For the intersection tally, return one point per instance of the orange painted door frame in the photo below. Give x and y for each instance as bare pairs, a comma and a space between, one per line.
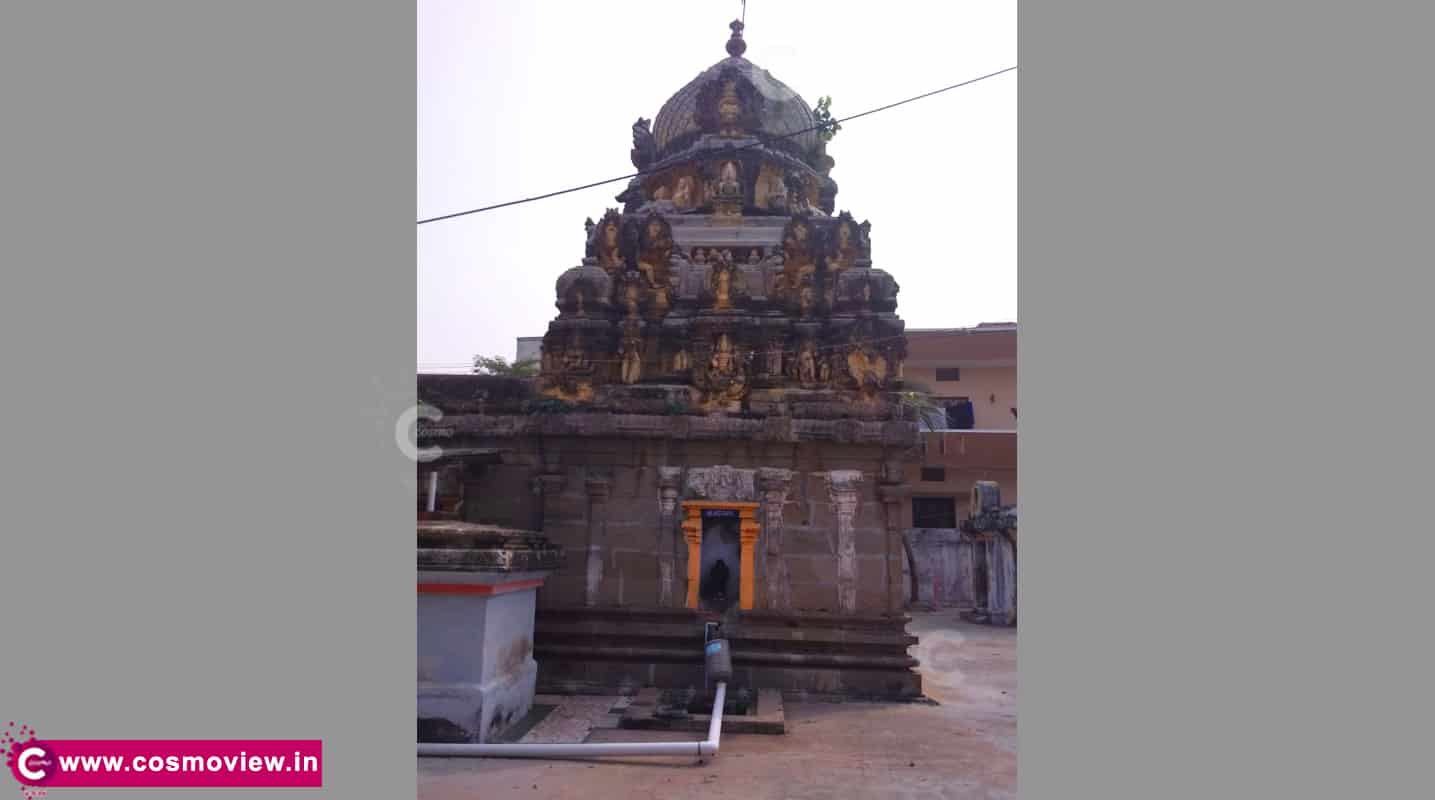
748, 528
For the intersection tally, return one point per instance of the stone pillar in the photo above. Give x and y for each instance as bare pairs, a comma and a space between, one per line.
893, 553
747, 532
693, 533
598, 490
842, 490
548, 488
669, 483
477, 586
773, 486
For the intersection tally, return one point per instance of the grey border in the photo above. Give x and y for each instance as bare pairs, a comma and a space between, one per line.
208, 328
207, 334
1219, 222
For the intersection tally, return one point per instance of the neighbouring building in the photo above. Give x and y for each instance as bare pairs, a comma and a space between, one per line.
530, 348
717, 433
973, 367
960, 555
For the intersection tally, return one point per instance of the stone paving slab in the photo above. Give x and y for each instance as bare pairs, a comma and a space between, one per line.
571, 719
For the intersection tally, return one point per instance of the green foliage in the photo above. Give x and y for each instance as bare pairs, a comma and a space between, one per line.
823, 114
498, 365
917, 400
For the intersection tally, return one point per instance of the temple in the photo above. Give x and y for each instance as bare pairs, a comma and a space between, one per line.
717, 432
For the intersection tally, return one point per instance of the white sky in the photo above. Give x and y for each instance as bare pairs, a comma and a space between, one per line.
522, 98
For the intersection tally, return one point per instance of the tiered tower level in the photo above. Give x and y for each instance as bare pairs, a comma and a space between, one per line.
725, 283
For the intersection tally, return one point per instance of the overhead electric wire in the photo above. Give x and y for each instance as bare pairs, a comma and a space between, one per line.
819, 126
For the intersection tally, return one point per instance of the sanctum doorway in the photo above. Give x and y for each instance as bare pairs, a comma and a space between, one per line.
723, 532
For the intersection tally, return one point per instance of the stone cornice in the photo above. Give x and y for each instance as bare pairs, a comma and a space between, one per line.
445, 546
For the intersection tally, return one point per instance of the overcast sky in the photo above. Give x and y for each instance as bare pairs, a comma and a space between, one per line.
522, 98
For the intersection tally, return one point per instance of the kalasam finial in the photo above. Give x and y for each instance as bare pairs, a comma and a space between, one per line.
735, 45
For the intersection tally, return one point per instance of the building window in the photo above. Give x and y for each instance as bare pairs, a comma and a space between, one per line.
960, 415
934, 512
934, 474
949, 374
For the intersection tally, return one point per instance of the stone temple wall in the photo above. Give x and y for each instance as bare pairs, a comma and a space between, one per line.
823, 542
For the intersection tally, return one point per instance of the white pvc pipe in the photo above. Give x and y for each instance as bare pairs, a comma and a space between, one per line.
433, 490
706, 747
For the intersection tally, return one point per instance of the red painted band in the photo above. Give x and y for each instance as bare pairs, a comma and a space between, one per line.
478, 588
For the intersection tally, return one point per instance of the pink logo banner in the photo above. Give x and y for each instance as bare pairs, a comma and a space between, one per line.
164, 763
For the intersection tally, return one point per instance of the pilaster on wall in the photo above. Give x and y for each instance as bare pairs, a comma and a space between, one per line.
598, 490
893, 552
548, 488
693, 535
747, 531
773, 485
667, 543
842, 488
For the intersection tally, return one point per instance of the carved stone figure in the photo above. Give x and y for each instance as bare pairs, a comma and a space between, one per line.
575, 357
683, 193
729, 109
806, 299
721, 281
722, 361
798, 263
807, 363
645, 147
724, 379
606, 246
568, 373
655, 248
728, 184
867, 366
632, 361
796, 193
844, 248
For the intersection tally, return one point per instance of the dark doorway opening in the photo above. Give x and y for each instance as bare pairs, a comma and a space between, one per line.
980, 575
721, 564
934, 512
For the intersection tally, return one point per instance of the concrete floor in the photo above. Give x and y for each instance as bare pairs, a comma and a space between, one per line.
965, 747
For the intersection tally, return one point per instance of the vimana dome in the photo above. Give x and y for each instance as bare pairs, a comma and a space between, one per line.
725, 277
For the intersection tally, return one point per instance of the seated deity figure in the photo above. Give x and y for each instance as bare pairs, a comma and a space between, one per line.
574, 356
683, 193
728, 185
